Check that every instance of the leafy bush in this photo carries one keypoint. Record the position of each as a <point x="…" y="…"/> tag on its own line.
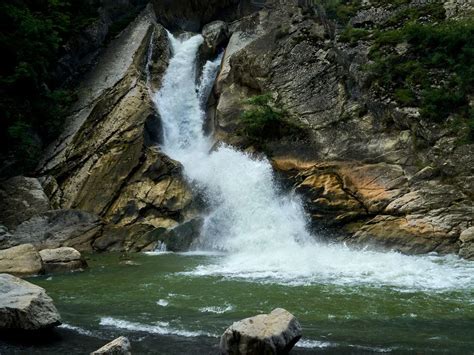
<point x="437" y="71"/>
<point x="262" y="120"/>
<point x="352" y="35"/>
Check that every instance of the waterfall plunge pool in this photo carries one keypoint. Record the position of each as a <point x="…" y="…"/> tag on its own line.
<point x="165" y="307"/>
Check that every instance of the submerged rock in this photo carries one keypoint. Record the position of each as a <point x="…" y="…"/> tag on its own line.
<point x="273" y="333"/>
<point x="22" y="260"/>
<point x="25" y="306"/>
<point x="62" y="260"/>
<point x="119" y="346"/>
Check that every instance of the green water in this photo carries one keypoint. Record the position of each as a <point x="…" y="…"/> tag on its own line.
<point x="163" y="310"/>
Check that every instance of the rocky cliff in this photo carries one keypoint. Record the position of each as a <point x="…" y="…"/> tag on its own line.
<point x="370" y="171"/>
<point x="104" y="184"/>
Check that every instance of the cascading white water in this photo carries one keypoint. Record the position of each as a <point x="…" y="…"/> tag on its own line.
<point x="263" y="231"/>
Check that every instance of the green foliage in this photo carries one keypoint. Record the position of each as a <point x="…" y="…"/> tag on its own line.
<point x="352" y="35"/>
<point x="340" y="10"/>
<point x="261" y="120"/>
<point x="436" y="71"/>
<point x="31" y="36"/>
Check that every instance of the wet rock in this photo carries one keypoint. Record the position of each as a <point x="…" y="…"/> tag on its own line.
<point x="273" y="333"/>
<point x="467" y="243"/>
<point x="57" y="228"/>
<point x="119" y="346"/>
<point x="216" y="36"/>
<point x="24" y="306"/>
<point x="22" y="260"/>
<point x="62" y="259"/>
<point x="22" y="198"/>
<point x="179" y="238"/>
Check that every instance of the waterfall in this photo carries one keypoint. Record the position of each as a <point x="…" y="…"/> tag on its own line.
<point x="263" y="231"/>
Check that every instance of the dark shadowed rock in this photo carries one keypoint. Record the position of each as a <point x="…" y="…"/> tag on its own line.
<point x="22" y="198"/>
<point x="119" y="346"/>
<point x="56" y="228"/>
<point x="22" y="260"/>
<point x="216" y="36"/>
<point x="273" y="333"/>
<point x="179" y="238"/>
<point x="24" y="306"/>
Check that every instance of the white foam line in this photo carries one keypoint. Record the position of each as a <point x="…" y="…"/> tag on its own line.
<point x="158" y="328"/>
<point x="76" y="329"/>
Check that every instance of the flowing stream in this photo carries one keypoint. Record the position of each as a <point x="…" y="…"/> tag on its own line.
<point x="255" y="254"/>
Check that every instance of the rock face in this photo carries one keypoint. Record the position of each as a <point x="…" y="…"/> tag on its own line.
<point x="216" y="36"/>
<point x="119" y="346"/>
<point x="361" y="167"/>
<point x="273" y="333"/>
<point x="192" y="15"/>
<point x="24" y="306"/>
<point x="22" y="198"/>
<point x="56" y="228"/>
<point x="22" y="260"/>
<point x="105" y="163"/>
<point x="62" y="260"/>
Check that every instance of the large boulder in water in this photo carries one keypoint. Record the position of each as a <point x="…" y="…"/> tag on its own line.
<point x="119" y="346"/>
<point x="62" y="260"/>
<point x="273" y="333"/>
<point x="22" y="260"/>
<point x="25" y="306"/>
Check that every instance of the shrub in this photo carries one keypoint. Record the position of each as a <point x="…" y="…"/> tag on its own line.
<point x="437" y="67"/>
<point x="261" y="120"/>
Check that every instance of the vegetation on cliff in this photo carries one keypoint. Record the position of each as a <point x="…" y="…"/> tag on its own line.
<point x="32" y="104"/>
<point x="417" y="56"/>
<point x="264" y="120"/>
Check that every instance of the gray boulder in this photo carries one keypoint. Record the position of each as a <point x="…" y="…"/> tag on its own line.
<point x="22" y="260"/>
<point x="62" y="260"/>
<point x="56" y="228"/>
<point x="216" y="35"/>
<point x="119" y="346"/>
<point x="24" y="306"/>
<point x="273" y="333"/>
<point x="22" y="198"/>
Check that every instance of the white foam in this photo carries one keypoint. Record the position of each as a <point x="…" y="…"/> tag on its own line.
<point x="162" y="303"/>
<point x="157" y="253"/>
<point x="162" y="328"/>
<point x="216" y="309"/>
<point x="314" y="344"/>
<point x="76" y="329"/>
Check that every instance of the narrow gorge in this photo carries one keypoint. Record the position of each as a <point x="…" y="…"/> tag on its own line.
<point x="227" y="159"/>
